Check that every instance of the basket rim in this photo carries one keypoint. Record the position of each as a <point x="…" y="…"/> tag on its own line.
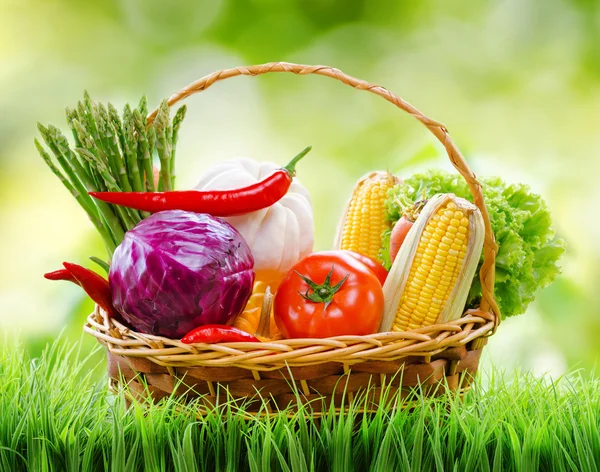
<point x="423" y="342"/>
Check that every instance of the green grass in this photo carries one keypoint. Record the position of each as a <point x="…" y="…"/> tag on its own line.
<point x="56" y="414"/>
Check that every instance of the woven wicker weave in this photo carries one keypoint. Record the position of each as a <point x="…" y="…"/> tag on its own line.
<point x="430" y="357"/>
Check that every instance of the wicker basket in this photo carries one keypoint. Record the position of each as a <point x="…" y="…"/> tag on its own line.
<point x="435" y="358"/>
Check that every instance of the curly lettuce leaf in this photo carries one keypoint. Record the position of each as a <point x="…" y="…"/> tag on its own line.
<point x="528" y="251"/>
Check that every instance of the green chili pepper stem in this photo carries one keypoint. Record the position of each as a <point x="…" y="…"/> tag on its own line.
<point x="291" y="167"/>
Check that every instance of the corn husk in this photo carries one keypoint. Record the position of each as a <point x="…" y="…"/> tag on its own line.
<point x="396" y="282"/>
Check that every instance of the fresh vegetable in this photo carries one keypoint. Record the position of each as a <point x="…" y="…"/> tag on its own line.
<point x="265" y="332"/>
<point x="93" y="284"/>
<point x="328" y="293"/>
<point x="364" y="219"/>
<point x="61" y="274"/>
<point x="239" y="201"/>
<point x="529" y="250"/>
<point x="403" y="226"/>
<point x="249" y="319"/>
<point x="280" y="235"/>
<point x="211" y="334"/>
<point x="430" y="279"/>
<point x="380" y="272"/>
<point x="110" y="153"/>
<point x="178" y="270"/>
<point x="398" y="235"/>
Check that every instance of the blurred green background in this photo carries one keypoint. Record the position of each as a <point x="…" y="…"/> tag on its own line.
<point x="516" y="82"/>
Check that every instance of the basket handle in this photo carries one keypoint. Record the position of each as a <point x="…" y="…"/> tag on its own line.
<point x="490" y="248"/>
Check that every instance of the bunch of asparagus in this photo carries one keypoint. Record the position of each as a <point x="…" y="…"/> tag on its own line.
<point x="112" y="154"/>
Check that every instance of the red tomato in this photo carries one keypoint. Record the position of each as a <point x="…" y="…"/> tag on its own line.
<point x="375" y="266"/>
<point x="326" y="294"/>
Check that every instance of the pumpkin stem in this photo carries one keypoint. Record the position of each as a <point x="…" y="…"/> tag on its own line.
<point x="264" y="324"/>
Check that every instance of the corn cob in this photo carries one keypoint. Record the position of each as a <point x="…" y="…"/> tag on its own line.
<point x="364" y="220"/>
<point x="431" y="277"/>
<point x="249" y="319"/>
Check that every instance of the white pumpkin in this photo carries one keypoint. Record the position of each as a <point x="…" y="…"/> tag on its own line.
<point x="280" y="235"/>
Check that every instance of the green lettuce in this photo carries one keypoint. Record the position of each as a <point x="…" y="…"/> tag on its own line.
<point x="529" y="249"/>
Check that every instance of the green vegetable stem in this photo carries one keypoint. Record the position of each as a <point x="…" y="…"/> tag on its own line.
<point x="111" y="153"/>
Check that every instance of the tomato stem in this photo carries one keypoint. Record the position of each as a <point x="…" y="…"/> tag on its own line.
<point x="322" y="293"/>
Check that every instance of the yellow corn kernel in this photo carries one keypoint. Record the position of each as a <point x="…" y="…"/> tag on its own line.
<point x="365" y="219"/>
<point x="433" y="282"/>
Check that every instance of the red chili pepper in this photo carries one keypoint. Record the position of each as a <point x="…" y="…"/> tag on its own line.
<point x="61" y="274"/>
<point x="211" y="334"/>
<point x="93" y="284"/>
<point x="254" y="197"/>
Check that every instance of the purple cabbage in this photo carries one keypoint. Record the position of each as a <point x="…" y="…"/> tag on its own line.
<point x="178" y="270"/>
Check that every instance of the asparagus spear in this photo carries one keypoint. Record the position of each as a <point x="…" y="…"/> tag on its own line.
<point x="85" y="203"/>
<point x="177" y="119"/>
<point x="144" y="150"/>
<point x="163" y="145"/>
<point x="114" y="118"/>
<point x="130" y="148"/>
<point x="105" y="143"/>
<point x="111" y="184"/>
<point x="151" y="134"/>
<point x="77" y="189"/>
<point x="92" y="156"/>
<point x="88" y="114"/>
<point x="61" y="144"/>
<point x="143" y="106"/>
